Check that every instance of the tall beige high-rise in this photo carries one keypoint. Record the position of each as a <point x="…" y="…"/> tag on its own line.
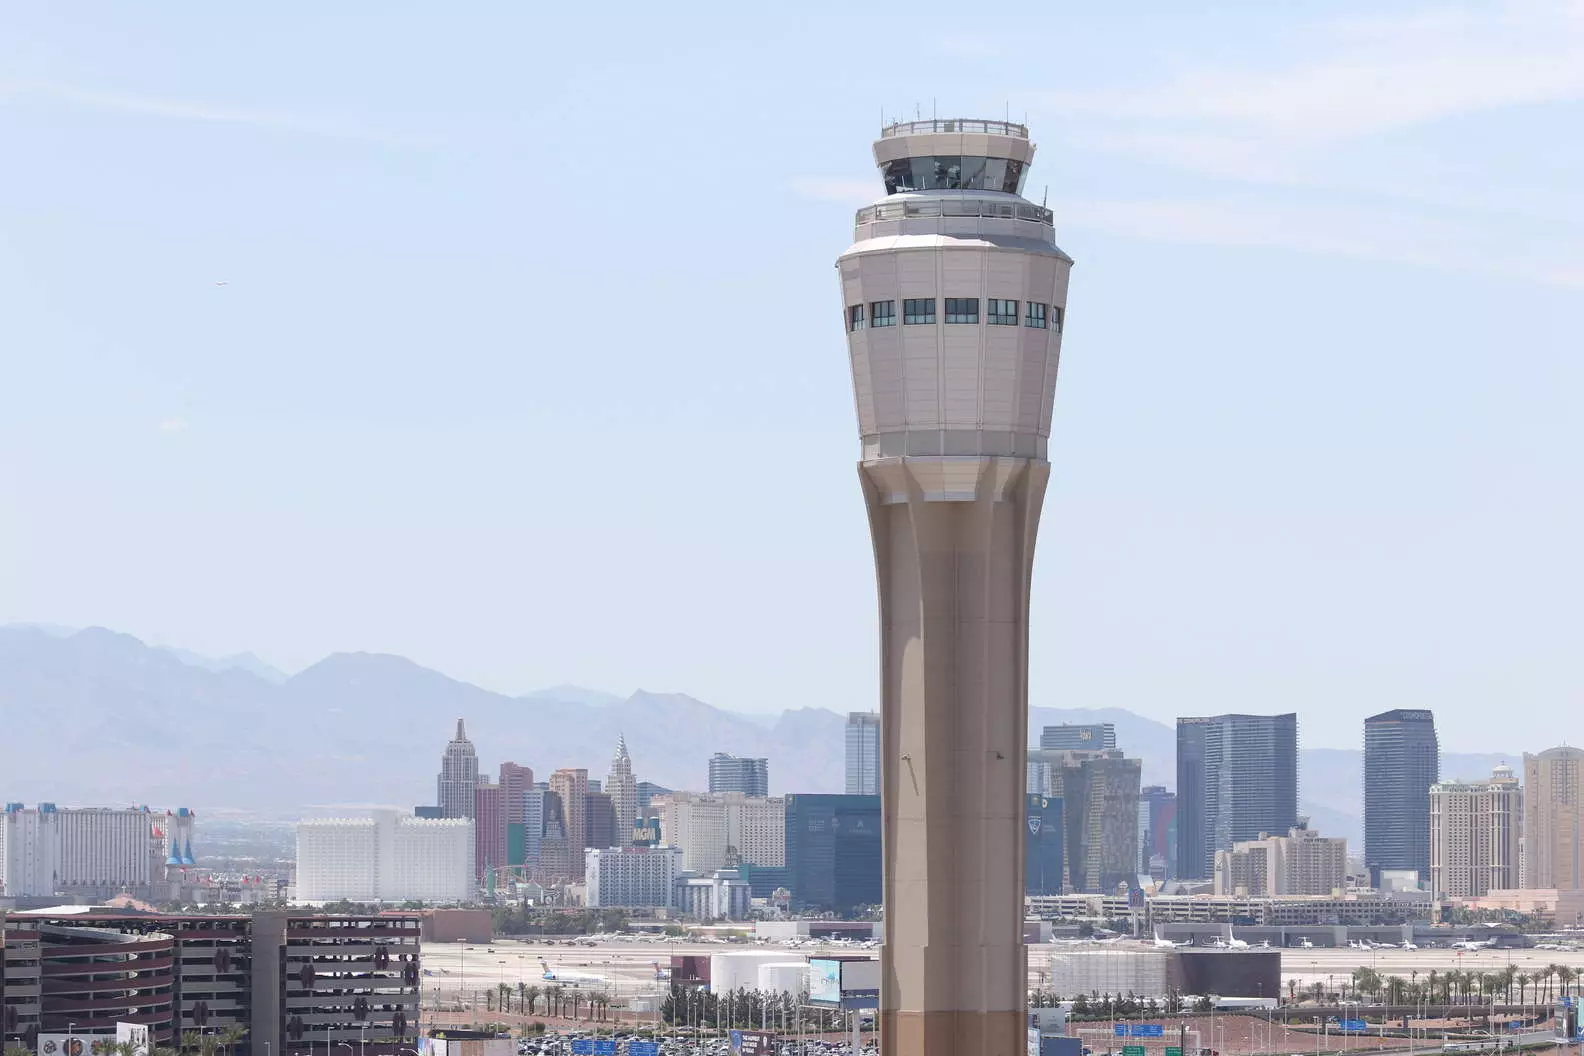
<point x="953" y="297"/>
<point x="1553" y="847"/>
<point x="1474" y="835"/>
<point x="572" y="786"/>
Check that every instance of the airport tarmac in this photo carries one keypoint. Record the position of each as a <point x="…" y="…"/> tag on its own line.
<point x="1309" y="966"/>
<point x="628" y="968"/>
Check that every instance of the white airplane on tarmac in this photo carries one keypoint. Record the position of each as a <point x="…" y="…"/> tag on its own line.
<point x="1167" y="944"/>
<point x="1227" y="942"/>
<point x="1306" y="944"/>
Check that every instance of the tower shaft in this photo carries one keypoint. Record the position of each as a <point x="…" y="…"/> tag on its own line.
<point x="953" y="566"/>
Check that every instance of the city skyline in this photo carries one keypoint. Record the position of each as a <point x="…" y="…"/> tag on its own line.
<point x="1235" y="499"/>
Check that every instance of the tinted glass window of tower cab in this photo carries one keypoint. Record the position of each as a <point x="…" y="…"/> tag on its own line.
<point x="953" y="173"/>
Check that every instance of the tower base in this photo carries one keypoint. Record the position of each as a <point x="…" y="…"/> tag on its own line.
<point x="953" y="1033"/>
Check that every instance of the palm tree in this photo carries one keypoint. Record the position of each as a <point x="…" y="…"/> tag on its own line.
<point x="1396" y="990"/>
<point x="531" y="997"/>
<point x="1492" y="982"/>
<point x="1509" y="974"/>
<point x="1523" y="980"/>
<point x="1433" y="978"/>
<point x="1567" y="977"/>
<point x="522" y="996"/>
<point x="230" y="1036"/>
<point x="200" y="1042"/>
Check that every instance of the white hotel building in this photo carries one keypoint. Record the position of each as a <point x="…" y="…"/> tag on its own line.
<point x="50" y="850"/>
<point x="709" y="827"/>
<point x="633" y="877"/>
<point x="386" y="857"/>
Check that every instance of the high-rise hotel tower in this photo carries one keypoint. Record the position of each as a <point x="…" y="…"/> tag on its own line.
<point x="953" y="298"/>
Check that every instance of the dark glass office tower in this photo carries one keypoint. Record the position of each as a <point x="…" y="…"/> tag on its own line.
<point x="833" y="852"/>
<point x="1237" y="776"/>
<point x="1044" y="871"/>
<point x="1402" y="759"/>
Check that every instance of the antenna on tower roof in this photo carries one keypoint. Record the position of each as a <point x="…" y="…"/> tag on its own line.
<point x="1044" y="196"/>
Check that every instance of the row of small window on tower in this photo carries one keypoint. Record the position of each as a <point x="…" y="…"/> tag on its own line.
<point x="917" y="311"/>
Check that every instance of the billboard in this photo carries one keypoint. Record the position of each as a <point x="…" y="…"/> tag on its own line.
<point x="134" y="1034"/>
<point x="645" y="832"/>
<point x="78" y="1044"/>
<point x="752" y="1043"/>
<point x="860" y="979"/>
<point x="824" y="981"/>
<point x="851" y="982"/>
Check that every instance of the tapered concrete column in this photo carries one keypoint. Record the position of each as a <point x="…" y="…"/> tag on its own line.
<point x="953" y="299"/>
<point x="954" y="549"/>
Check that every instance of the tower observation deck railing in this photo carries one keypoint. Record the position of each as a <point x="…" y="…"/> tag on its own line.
<point x="947" y="124"/>
<point x="954" y="207"/>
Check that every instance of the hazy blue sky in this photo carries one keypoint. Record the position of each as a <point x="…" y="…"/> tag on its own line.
<point x="530" y="365"/>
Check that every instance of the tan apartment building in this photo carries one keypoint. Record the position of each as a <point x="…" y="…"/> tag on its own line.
<point x="1553" y="849"/>
<point x="1301" y="863"/>
<point x="1475" y="835"/>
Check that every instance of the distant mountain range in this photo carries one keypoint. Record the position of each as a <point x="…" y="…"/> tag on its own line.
<point x="103" y="719"/>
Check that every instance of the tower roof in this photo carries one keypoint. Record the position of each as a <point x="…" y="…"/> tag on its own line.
<point x="621" y="746"/>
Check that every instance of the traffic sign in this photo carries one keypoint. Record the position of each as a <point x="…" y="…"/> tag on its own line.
<point x="1174" y="1050"/>
<point x="604" y="1047"/>
<point x="1138" y="1030"/>
<point x="651" y="1048"/>
<point x="1132" y="1050"/>
<point x="1353" y="1025"/>
<point x="582" y="1047"/>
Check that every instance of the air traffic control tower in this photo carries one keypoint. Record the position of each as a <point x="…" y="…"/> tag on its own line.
<point x="953" y="298"/>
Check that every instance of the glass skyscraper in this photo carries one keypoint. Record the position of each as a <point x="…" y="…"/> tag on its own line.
<point x="833" y="852"/>
<point x="1402" y="759"/>
<point x="863" y="753"/>
<point x="1237" y="777"/>
<point x="732" y="773"/>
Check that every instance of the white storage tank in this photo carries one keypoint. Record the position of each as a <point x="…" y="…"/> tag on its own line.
<point x="784" y="977"/>
<point x="739" y="971"/>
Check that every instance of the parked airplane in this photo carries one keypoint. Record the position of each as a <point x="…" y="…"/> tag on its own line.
<point x="1227" y="942"/>
<point x="1473" y="944"/>
<point x="1167" y="944"/>
<point x="1306" y="944"/>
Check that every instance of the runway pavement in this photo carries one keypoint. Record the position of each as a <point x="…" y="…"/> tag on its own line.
<point x="628" y="968"/>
